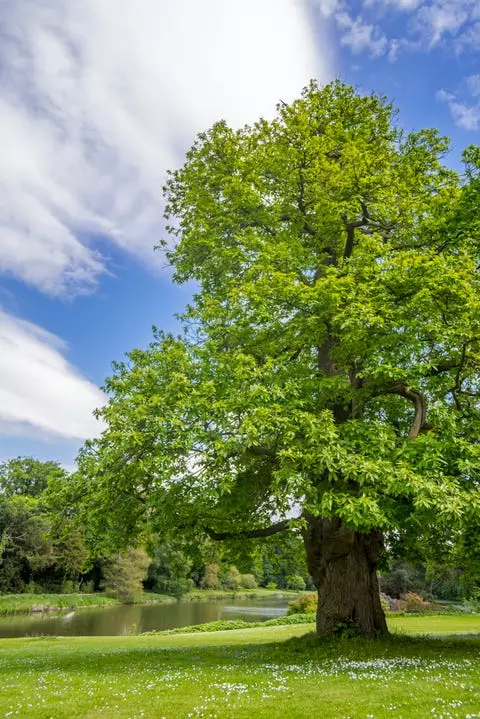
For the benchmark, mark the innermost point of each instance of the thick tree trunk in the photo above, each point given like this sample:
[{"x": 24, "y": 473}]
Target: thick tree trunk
[{"x": 343, "y": 565}]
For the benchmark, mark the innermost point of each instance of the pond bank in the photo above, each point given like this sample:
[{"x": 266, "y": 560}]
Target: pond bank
[{"x": 39, "y": 603}]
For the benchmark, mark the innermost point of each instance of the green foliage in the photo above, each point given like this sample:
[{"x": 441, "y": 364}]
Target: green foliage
[
  {"x": 40, "y": 546},
  {"x": 474, "y": 599},
  {"x": 296, "y": 583},
  {"x": 402, "y": 578},
  {"x": 306, "y": 603},
  {"x": 211, "y": 579},
  {"x": 248, "y": 581},
  {"x": 28, "y": 476},
  {"x": 271, "y": 586},
  {"x": 169, "y": 568},
  {"x": 233, "y": 579},
  {"x": 124, "y": 574},
  {"x": 345, "y": 629}
]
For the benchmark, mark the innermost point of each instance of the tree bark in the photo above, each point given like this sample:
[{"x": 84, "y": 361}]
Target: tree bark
[{"x": 343, "y": 565}]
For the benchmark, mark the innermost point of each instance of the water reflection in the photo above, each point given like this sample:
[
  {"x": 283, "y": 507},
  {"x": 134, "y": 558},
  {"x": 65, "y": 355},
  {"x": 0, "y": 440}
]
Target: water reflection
[{"x": 126, "y": 619}]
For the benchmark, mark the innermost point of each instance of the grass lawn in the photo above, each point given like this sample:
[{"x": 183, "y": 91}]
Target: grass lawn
[
  {"x": 435, "y": 624},
  {"x": 262, "y": 673}
]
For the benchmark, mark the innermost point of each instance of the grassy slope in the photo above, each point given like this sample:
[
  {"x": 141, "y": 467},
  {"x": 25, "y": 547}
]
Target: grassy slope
[
  {"x": 259, "y": 593},
  {"x": 266, "y": 672},
  {"x": 25, "y": 603}
]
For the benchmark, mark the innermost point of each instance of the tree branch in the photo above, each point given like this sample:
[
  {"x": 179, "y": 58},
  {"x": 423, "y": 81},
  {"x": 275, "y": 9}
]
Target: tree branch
[
  {"x": 250, "y": 533},
  {"x": 262, "y": 452},
  {"x": 418, "y": 400},
  {"x": 350, "y": 227}
]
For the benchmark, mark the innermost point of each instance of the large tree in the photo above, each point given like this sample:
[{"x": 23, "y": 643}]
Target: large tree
[{"x": 328, "y": 374}]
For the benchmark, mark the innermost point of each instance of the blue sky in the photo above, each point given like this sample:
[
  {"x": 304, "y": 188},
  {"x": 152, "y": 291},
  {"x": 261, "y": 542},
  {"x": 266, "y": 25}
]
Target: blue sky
[{"x": 98, "y": 99}]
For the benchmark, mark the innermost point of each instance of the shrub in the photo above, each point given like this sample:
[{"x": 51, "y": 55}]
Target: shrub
[
  {"x": 413, "y": 604},
  {"x": 124, "y": 574},
  {"x": 248, "y": 581},
  {"x": 174, "y": 587},
  {"x": 234, "y": 579},
  {"x": 210, "y": 578},
  {"x": 271, "y": 586},
  {"x": 306, "y": 603},
  {"x": 384, "y": 602},
  {"x": 474, "y": 599},
  {"x": 401, "y": 579},
  {"x": 296, "y": 583}
]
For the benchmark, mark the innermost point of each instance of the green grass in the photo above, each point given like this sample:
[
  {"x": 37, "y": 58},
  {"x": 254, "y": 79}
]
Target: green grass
[
  {"x": 435, "y": 624},
  {"x": 258, "y": 593},
  {"x": 225, "y": 625},
  {"x": 25, "y": 603},
  {"x": 265, "y": 673}
]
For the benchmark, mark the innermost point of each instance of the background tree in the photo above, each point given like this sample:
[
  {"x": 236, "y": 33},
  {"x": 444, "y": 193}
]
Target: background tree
[
  {"x": 124, "y": 574},
  {"x": 169, "y": 568},
  {"x": 39, "y": 545},
  {"x": 330, "y": 360},
  {"x": 28, "y": 476}
]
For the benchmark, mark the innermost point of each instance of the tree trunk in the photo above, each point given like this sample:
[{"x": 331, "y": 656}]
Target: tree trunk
[{"x": 343, "y": 565}]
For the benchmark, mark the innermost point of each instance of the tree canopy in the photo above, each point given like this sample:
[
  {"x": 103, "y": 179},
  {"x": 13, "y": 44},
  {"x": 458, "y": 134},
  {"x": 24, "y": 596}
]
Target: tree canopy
[{"x": 330, "y": 362}]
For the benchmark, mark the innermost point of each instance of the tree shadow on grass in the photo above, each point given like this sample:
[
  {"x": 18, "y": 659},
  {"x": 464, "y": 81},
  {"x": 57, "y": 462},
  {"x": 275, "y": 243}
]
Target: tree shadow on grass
[{"x": 48, "y": 656}]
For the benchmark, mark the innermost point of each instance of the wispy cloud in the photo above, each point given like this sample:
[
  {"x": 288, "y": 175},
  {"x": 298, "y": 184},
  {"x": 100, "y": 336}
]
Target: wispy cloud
[
  {"x": 366, "y": 26},
  {"x": 100, "y": 97},
  {"x": 359, "y": 35},
  {"x": 41, "y": 393},
  {"x": 464, "y": 104},
  {"x": 442, "y": 18}
]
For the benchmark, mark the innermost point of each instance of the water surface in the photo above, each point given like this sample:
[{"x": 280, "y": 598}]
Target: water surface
[{"x": 135, "y": 618}]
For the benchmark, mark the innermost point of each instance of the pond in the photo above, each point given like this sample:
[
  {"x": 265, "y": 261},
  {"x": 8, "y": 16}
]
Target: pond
[{"x": 136, "y": 618}]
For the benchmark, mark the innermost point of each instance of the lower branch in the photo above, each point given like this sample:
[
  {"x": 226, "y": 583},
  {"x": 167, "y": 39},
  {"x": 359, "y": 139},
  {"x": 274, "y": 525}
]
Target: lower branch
[{"x": 282, "y": 526}]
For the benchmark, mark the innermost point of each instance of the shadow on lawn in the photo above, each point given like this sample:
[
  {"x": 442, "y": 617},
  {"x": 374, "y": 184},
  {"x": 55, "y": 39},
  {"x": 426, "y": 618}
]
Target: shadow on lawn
[{"x": 45, "y": 654}]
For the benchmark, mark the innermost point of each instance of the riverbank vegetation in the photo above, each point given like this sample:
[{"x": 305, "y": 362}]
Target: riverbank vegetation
[
  {"x": 267, "y": 672},
  {"x": 33, "y": 603}
]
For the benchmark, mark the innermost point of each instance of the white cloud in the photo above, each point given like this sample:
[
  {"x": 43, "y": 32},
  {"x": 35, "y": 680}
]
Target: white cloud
[
  {"x": 444, "y": 96},
  {"x": 470, "y": 37},
  {"x": 41, "y": 393},
  {"x": 366, "y": 26},
  {"x": 100, "y": 97},
  {"x": 473, "y": 84},
  {"x": 402, "y": 5},
  {"x": 359, "y": 35},
  {"x": 327, "y": 7},
  {"x": 466, "y": 116},
  {"x": 354, "y": 32},
  {"x": 442, "y": 17}
]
